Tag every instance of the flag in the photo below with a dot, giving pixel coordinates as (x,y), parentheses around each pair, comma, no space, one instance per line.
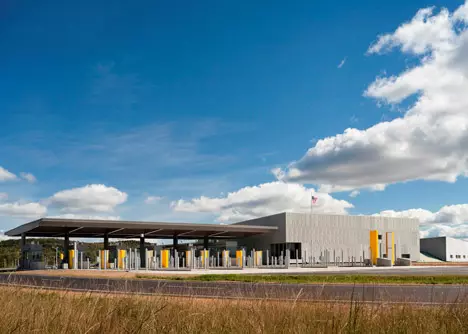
(314,199)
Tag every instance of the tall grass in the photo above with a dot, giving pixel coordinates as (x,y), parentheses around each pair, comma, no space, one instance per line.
(36,311)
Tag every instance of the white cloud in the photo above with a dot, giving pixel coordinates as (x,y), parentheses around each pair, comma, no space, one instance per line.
(449,221)
(28,177)
(27,210)
(6,175)
(152,199)
(429,141)
(354,193)
(3,196)
(90,198)
(340,65)
(262,200)
(80,216)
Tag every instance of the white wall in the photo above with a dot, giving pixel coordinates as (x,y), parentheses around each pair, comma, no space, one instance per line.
(457,250)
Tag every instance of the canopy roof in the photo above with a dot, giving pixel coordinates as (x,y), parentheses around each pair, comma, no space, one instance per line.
(84,228)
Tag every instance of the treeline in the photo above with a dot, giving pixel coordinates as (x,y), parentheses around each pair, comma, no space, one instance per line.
(10,249)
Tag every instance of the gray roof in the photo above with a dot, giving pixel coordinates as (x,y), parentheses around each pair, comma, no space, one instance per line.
(85,228)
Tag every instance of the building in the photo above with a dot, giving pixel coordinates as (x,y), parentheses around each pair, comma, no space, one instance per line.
(328,238)
(345,235)
(445,249)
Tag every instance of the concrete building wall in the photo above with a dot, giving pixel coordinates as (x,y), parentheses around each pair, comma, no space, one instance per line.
(264,241)
(445,248)
(435,247)
(319,232)
(457,250)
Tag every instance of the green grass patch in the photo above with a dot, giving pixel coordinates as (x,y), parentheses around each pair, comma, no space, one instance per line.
(361,279)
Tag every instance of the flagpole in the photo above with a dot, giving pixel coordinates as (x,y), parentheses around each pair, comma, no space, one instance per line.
(311,203)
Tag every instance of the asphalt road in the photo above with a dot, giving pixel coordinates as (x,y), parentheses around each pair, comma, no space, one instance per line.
(424,294)
(398,271)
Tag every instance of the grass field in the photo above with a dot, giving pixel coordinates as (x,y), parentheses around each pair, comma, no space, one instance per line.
(361,279)
(36,311)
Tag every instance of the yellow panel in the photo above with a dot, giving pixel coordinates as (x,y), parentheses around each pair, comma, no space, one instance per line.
(165,258)
(239,256)
(374,245)
(71,256)
(61,256)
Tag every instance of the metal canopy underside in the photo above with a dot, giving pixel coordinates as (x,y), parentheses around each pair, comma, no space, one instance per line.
(83,228)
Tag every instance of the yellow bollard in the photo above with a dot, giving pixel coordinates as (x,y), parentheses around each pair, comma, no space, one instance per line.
(239,258)
(165,258)
(71,257)
(121,256)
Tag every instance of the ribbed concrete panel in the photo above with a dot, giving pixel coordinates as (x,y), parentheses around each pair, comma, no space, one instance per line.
(339,234)
(317,232)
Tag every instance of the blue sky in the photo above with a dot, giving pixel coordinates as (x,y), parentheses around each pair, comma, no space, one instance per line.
(187,102)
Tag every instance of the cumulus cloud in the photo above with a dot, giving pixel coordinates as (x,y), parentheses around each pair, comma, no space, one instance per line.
(26,210)
(429,141)
(152,199)
(449,221)
(28,177)
(90,217)
(5,175)
(262,200)
(90,198)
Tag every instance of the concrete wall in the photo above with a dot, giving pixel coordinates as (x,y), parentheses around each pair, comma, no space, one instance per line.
(264,241)
(435,247)
(319,232)
(457,250)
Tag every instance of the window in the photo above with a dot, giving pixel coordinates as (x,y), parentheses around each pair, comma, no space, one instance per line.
(457,256)
(451,256)
(464,256)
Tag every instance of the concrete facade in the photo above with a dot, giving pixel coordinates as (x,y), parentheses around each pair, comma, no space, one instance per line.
(446,248)
(341,235)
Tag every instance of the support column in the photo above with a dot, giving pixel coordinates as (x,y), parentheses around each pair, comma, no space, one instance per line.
(205,242)
(66,248)
(175,243)
(142,251)
(106,241)
(22,244)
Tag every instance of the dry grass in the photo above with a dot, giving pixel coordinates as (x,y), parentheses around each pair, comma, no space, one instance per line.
(36,311)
